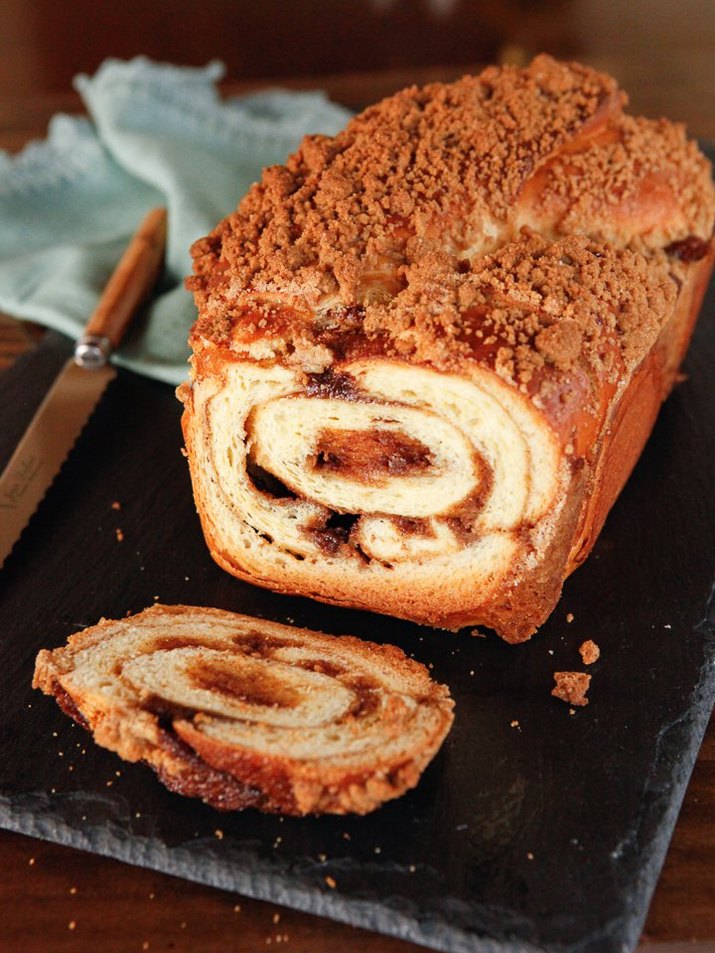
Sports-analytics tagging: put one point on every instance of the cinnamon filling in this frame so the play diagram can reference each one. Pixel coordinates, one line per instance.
(250, 687)
(68, 706)
(258, 645)
(266, 483)
(335, 533)
(321, 667)
(366, 691)
(687, 249)
(370, 456)
(168, 643)
(366, 702)
(167, 711)
(413, 527)
(334, 384)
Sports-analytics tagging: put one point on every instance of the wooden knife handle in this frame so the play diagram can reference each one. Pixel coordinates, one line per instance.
(130, 283)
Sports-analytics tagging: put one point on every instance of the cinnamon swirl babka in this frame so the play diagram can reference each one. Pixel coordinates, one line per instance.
(241, 712)
(430, 350)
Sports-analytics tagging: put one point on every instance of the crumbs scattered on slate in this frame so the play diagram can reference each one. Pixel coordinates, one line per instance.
(589, 652)
(571, 687)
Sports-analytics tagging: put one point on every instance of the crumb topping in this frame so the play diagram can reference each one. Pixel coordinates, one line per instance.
(571, 687)
(415, 233)
(431, 164)
(530, 305)
(529, 308)
(589, 652)
(643, 185)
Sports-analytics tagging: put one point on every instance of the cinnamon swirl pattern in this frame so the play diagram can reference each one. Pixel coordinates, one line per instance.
(247, 713)
(417, 479)
(430, 350)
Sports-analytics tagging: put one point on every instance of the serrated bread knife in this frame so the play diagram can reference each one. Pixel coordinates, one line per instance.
(80, 384)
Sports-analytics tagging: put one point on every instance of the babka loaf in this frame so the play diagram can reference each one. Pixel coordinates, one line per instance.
(241, 712)
(430, 350)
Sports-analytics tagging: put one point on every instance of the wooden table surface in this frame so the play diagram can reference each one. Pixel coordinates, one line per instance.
(56, 899)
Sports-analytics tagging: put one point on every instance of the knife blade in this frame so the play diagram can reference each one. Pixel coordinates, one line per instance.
(78, 387)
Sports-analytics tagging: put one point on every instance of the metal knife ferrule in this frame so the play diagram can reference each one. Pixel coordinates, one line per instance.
(92, 351)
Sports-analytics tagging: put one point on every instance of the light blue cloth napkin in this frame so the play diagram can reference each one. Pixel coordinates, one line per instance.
(157, 135)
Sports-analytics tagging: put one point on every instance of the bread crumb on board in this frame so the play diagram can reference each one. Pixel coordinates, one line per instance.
(589, 652)
(571, 687)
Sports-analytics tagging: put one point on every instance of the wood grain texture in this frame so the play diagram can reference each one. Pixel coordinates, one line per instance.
(683, 906)
(84, 902)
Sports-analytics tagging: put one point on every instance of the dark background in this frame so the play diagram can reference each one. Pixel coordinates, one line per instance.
(660, 50)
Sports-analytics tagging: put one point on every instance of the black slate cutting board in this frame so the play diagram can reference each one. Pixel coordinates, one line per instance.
(534, 829)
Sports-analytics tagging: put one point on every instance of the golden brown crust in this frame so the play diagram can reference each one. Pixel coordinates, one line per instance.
(354, 205)
(643, 185)
(531, 310)
(438, 170)
(633, 415)
(247, 713)
(516, 235)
